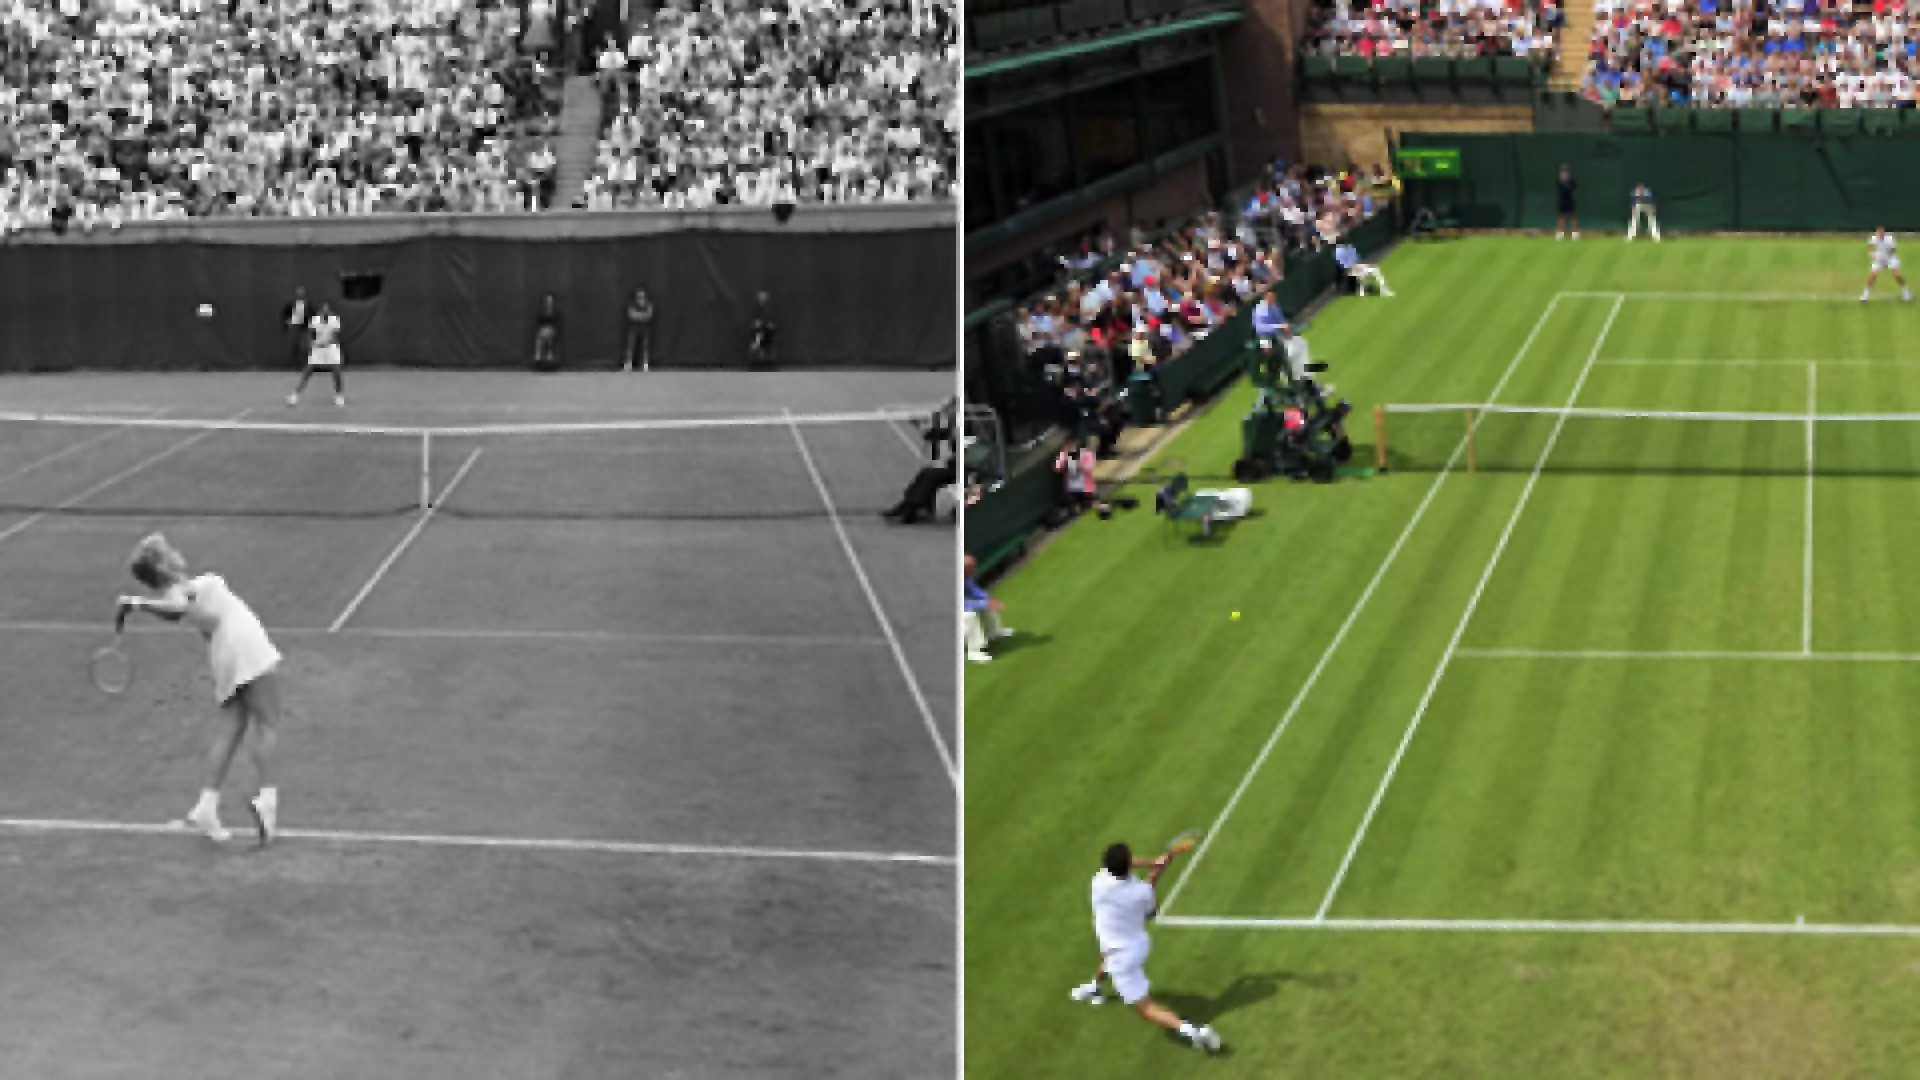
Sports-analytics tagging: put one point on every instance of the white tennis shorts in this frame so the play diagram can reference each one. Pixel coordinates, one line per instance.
(1127, 967)
(325, 356)
(1892, 262)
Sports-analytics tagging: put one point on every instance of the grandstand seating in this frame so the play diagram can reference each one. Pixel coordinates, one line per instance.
(818, 105)
(121, 111)
(1716, 54)
(1400, 40)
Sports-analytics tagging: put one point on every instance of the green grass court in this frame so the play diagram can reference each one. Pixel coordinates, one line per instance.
(1599, 761)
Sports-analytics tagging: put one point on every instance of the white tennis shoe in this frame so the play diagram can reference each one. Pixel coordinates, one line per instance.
(264, 815)
(1089, 993)
(205, 821)
(979, 658)
(1204, 1038)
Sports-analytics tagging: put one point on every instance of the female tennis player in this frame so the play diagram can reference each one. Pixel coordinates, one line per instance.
(245, 664)
(323, 332)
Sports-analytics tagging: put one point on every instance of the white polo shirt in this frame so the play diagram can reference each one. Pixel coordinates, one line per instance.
(1120, 910)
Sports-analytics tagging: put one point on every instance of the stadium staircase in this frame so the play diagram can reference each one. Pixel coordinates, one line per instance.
(579, 138)
(1576, 35)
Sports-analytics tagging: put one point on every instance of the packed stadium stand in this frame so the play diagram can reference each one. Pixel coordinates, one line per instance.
(1718, 54)
(735, 102)
(121, 111)
(1435, 28)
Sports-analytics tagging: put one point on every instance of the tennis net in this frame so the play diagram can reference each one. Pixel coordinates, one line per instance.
(1519, 438)
(744, 467)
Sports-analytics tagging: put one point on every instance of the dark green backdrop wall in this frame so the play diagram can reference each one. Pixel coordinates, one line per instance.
(1709, 182)
(865, 298)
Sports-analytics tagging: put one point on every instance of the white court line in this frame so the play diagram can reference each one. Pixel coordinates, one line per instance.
(406, 541)
(608, 847)
(1547, 926)
(1690, 654)
(772, 414)
(145, 463)
(1744, 362)
(1353, 616)
(873, 601)
(75, 448)
(1806, 569)
(1473, 604)
(1758, 297)
(450, 633)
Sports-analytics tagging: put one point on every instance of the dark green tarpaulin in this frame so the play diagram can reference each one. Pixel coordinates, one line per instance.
(865, 298)
(1702, 182)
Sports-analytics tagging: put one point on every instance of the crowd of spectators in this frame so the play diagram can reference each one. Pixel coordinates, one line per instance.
(1106, 321)
(114, 111)
(1458, 29)
(787, 101)
(1720, 53)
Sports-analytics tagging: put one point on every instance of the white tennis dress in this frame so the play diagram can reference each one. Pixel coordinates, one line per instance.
(326, 341)
(237, 645)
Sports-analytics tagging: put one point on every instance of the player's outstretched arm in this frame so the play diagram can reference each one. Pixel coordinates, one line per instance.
(170, 606)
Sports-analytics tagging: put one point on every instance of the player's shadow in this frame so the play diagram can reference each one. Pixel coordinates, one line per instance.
(1020, 641)
(1249, 989)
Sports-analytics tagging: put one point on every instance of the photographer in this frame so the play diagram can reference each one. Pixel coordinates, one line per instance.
(941, 434)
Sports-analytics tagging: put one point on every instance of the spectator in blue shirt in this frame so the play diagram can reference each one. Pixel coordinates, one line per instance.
(981, 623)
(1358, 272)
(1267, 317)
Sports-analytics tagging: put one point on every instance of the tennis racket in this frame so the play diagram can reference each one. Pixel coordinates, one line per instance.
(1185, 842)
(112, 667)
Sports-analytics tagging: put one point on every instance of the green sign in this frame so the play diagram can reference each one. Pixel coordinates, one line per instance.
(1429, 163)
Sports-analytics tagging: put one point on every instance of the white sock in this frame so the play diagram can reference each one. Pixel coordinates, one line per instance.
(1186, 1029)
(209, 801)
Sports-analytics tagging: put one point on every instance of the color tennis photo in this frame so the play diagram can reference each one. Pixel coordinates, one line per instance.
(1463, 461)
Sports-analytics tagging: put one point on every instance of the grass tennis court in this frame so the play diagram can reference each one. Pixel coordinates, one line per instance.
(629, 760)
(1597, 761)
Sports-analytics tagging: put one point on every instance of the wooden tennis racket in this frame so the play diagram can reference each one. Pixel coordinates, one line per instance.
(112, 666)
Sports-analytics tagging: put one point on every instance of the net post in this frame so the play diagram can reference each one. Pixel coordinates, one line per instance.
(1380, 436)
(426, 471)
(1473, 458)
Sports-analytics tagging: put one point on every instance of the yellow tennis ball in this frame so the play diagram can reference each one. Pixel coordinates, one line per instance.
(1236, 616)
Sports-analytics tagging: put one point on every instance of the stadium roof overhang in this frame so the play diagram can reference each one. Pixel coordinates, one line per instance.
(1002, 65)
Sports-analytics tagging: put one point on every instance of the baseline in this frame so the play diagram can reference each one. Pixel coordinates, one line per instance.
(1545, 926)
(455, 633)
(607, 847)
(1690, 654)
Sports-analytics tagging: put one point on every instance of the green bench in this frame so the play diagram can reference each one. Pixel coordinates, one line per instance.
(1178, 502)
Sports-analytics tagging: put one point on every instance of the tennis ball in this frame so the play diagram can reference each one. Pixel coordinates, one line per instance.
(206, 311)
(1236, 616)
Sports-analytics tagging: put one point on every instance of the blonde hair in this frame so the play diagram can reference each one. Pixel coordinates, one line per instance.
(149, 559)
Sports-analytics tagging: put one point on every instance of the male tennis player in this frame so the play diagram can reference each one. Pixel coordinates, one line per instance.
(1885, 257)
(324, 355)
(246, 680)
(1122, 904)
